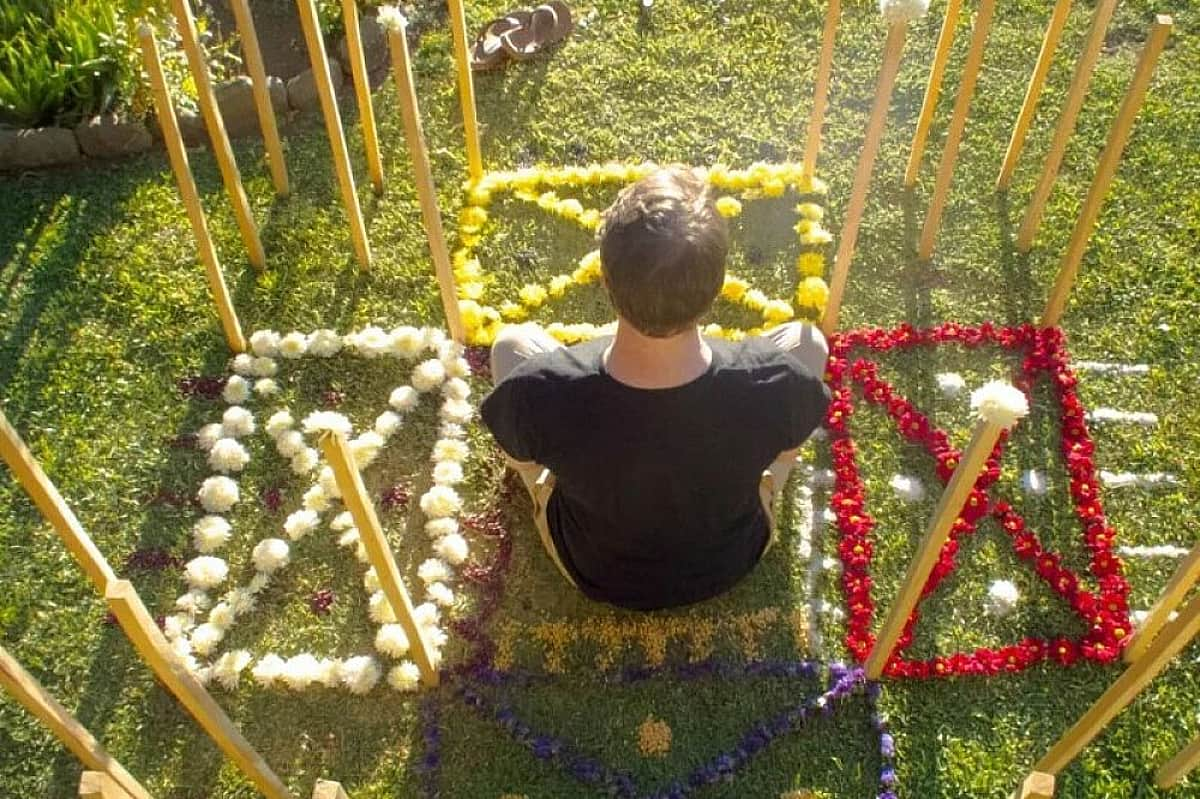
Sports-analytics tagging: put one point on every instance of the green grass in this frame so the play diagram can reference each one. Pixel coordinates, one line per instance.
(104, 308)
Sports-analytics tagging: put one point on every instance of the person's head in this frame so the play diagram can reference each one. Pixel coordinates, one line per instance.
(662, 252)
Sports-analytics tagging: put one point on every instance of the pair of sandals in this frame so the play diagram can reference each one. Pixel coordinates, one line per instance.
(521, 35)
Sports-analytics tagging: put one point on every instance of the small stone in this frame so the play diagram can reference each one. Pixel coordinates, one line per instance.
(191, 127)
(374, 44)
(302, 89)
(235, 98)
(39, 147)
(108, 137)
(279, 97)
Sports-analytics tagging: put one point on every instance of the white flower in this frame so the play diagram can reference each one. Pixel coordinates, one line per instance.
(433, 570)
(208, 435)
(909, 489)
(405, 678)
(237, 421)
(205, 637)
(437, 638)
(1127, 417)
(391, 19)
(268, 670)
(426, 615)
(831, 564)
(279, 423)
(241, 601)
(265, 343)
(1157, 551)
(258, 582)
(404, 398)
(332, 421)
(359, 674)
(360, 554)
(380, 610)
(293, 345)
(391, 640)
(371, 580)
(1034, 482)
(328, 482)
(266, 387)
(328, 672)
(903, 10)
(218, 494)
(1002, 598)
(193, 601)
(221, 616)
(452, 548)
(301, 671)
(456, 388)
(457, 367)
(300, 524)
(263, 367)
(237, 390)
(447, 473)
(290, 443)
(228, 668)
(457, 411)
(434, 338)
(206, 572)
(822, 478)
(343, 521)
(243, 363)
(175, 625)
(181, 651)
(441, 594)
(451, 430)
(999, 403)
(270, 555)
(371, 342)
(305, 461)
(227, 455)
(449, 449)
(436, 528)
(315, 499)
(408, 342)
(365, 448)
(951, 384)
(325, 343)
(210, 533)
(440, 501)
(388, 423)
(428, 375)
(447, 349)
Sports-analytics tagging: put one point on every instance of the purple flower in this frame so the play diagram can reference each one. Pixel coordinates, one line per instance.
(480, 361)
(321, 601)
(888, 776)
(887, 795)
(203, 386)
(395, 497)
(272, 499)
(887, 745)
(545, 747)
(332, 398)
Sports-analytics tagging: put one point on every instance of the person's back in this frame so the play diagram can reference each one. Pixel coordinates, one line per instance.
(657, 438)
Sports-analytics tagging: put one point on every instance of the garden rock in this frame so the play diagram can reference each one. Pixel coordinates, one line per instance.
(302, 89)
(191, 126)
(39, 147)
(108, 137)
(279, 96)
(235, 98)
(8, 140)
(374, 42)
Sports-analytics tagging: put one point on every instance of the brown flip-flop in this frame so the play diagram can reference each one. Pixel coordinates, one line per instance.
(488, 51)
(550, 23)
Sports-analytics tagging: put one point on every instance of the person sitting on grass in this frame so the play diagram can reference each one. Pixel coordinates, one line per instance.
(645, 451)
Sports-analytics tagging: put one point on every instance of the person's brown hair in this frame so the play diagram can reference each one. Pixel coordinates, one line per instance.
(662, 251)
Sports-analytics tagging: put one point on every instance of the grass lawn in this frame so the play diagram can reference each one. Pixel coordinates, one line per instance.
(104, 310)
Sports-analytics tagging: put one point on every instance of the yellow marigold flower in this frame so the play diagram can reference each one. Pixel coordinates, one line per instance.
(811, 211)
(513, 312)
(773, 187)
(472, 218)
(760, 172)
(778, 311)
(459, 258)
(470, 291)
(547, 201)
(728, 207)
(734, 288)
(532, 295)
(469, 240)
(558, 285)
(804, 226)
(718, 175)
(817, 236)
(614, 173)
(654, 738)
(811, 264)
(570, 209)
(812, 293)
(589, 269)
(472, 314)
(755, 300)
(574, 175)
(735, 334)
(469, 270)
(590, 219)
(713, 330)
(557, 330)
(479, 196)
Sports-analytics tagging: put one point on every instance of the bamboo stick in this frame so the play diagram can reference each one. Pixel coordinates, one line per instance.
(362, 92)
(1177, 588)
(933, 90)
(362, 510)
(30, 694)
(262, 96)
(177, 154)
(466, 88)
(98, 785)
(333, 128)
(954, 133)
(848, 236)
(816, 121)
(1058, 19)
(1109, 159)
(326, 789)
(1174, 637)
(426, 193)
(1179, 766)
(1066, 122)
(1036, 786)
(218, 138)
(153, 648)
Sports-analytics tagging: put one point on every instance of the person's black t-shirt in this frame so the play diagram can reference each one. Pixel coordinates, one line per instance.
(656, 500)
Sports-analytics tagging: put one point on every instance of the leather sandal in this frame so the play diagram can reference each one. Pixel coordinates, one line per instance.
(488, 51)
(550, 23)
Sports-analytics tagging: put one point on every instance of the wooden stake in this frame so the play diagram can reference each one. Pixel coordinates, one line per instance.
(326, 789)
(362, 91)
(187, 190)
(98, 785)
(1177, 588)
(66, 728)
(43, 493)
(426, 193)
(1174, 637)
(148, 640)
(933, 90)
(218, 138)
(362, 510)
(262, 95)
(1036, 786)
(1179, 766)
(816, 122)
(958, 122)
(1066, 122)
(848, 236)
(466, 89)
(1109, 159)
(948, 509)
(333, 128)
(1058, 19)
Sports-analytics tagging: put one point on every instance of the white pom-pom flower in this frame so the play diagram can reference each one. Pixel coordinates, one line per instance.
(270, 555)
(1034, 482)
(218, 494)
(365, 448)
(300, 524)
(222, 616)
(206, 572)
(210, 533)
(305, 461)
(293, 345)
(433, 570)
(405, 678)
(237, 390)
(903, 10)
(909, 489)
(243, 364)
(1002, 598)
(999, 403)
(388, 423)
(371, 580)
(426, 615)
(328, 482)
(404, 399)
(237, 421)
(343, 521)
(457, 367)
(951, 384)
(315, 499)
(441, 594)
(205, 638)
(452, 548)
(324, 343)
(440, 501)
(228, 668)
(289, 443)
(268, 670)
(359, 674)
(436, 528)
(392, 641)
(350, 538)
(264, 367)
(227, 455)
(301, 671)
(408, 342)
(391, 18)
(456, 388)
(266, 387)
(279, 423)
(428, 375)
(265, 343)
(457, 411)
(450, 449)
(447, 473)
(208, 435)
(372, 342)
(380, 610)
(331, 421)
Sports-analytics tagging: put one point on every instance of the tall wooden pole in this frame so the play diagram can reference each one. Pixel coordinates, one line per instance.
(1109, 160)
(98, 785)
(933, 90)
(1036, 786)
(954, 133)
(153, 648)
(816, 121)
(379, 552)
(848, 236)
(262, 95)
(466, 88)
(1066, 122)
(1179, 766)
(218, 138)
(333, 128)
(1177, 588)
(362, 92)
(414, 134)
(187, 190)
(1058, 19)
(66, 728)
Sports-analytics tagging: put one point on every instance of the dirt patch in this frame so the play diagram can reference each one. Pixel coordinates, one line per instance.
(279, 34)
